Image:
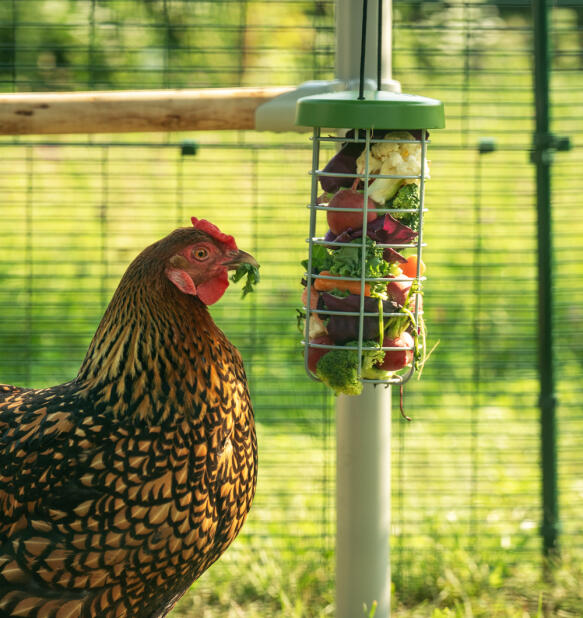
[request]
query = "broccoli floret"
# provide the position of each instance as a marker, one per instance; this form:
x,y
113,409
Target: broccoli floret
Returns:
x,y
407,197
338,369
370,358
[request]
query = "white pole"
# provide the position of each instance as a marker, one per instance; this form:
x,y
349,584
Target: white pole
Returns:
x,y
363,503
348,35
363,423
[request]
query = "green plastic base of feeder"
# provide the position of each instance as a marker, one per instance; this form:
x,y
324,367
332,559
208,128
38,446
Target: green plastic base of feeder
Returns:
x,y
378,110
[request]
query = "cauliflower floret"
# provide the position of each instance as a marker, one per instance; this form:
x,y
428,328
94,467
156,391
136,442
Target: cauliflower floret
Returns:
x,y
374,164
381,150
392,159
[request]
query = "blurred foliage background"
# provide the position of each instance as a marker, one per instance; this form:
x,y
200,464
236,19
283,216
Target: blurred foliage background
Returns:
x,y
466,471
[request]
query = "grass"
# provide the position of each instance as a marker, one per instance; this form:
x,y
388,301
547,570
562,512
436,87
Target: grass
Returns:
x,y
456,585
286,575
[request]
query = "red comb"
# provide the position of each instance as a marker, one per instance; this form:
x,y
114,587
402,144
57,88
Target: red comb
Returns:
x,y
212,230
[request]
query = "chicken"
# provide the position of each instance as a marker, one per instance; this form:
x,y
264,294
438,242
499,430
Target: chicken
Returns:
x,y
120,487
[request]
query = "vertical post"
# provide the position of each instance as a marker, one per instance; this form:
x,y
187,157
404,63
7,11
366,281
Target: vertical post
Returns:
x,y
348,38
542,158
363,423
363,503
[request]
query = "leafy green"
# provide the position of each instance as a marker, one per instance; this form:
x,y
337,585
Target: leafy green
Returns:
x,y
246,270
321,259
340,293
347,262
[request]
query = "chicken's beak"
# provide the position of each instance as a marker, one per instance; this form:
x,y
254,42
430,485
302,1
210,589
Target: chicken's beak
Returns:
x,y
235,258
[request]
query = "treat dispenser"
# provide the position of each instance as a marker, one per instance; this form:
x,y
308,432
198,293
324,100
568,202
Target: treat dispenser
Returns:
x,y
364,326
363,297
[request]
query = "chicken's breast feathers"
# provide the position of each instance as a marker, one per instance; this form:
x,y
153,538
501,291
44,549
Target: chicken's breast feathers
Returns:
x,y
102,512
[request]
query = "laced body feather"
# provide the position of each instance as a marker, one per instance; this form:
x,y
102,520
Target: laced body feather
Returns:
x,y
120,487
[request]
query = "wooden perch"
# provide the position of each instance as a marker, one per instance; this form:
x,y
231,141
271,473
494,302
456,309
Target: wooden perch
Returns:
x,y
132,111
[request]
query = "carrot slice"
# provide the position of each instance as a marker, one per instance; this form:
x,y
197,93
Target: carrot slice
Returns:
x,y
327,285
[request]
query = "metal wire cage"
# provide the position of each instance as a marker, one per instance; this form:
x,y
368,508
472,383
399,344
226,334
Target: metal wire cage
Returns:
x,y
370,324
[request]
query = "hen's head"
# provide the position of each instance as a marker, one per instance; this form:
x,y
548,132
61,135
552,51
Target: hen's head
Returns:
x,y
197,259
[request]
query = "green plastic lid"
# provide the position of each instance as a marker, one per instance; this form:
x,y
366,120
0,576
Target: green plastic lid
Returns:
x,y
378,110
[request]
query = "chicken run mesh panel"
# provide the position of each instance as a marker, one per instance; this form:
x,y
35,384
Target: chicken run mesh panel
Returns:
x,y
466,471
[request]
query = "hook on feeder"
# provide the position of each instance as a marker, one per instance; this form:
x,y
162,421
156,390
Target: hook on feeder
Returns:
x,y
362,302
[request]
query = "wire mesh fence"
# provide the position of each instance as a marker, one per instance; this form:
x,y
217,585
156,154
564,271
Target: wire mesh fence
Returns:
x,y
466,486
125,44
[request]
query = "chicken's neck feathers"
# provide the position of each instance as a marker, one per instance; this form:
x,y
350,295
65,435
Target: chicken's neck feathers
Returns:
x,y
153,348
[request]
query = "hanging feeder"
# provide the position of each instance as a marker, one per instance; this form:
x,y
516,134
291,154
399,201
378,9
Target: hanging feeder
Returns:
x,y
364,225
364,272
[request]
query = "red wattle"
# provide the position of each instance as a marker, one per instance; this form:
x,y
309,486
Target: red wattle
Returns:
x,y
211,291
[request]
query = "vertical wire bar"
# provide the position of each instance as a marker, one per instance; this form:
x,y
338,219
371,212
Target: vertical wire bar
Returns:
x,y
466,89
103,227
542,156
421,199
14,47
363,247
476,335
165,75
362,50
314,54
179,197
402,435
330,473
328,477
91,55
29,261
255,248
420,213
312,233
380,46
242,42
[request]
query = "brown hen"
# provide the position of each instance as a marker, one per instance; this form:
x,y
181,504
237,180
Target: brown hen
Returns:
x,y
119,488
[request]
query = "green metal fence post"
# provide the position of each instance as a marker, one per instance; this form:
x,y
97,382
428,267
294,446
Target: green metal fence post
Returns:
x,y
542,158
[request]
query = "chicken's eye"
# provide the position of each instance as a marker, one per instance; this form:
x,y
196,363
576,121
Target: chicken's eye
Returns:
x,y
200,253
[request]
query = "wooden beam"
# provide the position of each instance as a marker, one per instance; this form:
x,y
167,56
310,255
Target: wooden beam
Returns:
x,y
212,109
